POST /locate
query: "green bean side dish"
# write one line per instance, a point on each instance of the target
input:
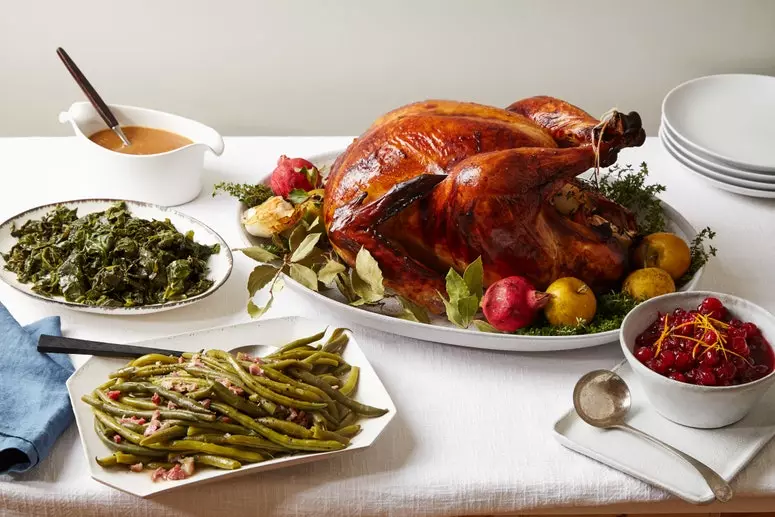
(108, 258)
(212, 408)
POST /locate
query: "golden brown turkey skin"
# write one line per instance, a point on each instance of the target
(434, 185)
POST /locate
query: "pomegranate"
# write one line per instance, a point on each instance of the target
(512, 303)
(290, 174)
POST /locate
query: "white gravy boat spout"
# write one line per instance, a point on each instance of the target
(167, 179)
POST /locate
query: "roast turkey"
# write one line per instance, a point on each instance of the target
(433, 185)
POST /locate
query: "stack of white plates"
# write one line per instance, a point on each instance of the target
(722, 128)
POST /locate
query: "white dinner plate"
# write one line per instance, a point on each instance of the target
(441, 330)
(723, 185)
(712, 172)
(727, 450)
(728, 117)
(718, 166)
(220, 264)
(272, 333)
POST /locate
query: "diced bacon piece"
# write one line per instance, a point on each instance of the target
(132, 420)
(206, 403)
(171, 405)
(114, 394)
(196, 361)
(187, 466)
(159, 473)
(255, 369)
(117, 438)
(137, 467)
(156, 399)
(181, 360)
(167, 384)
(237, 390)
(224, 419)
(154, 424)
(176, 473)
(298, 417)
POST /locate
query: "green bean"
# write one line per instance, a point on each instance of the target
(200, 394)
(349, 431)
(337, 341)
(110, 423)
(254, 442)
(274, 436)
(267, 405)
(268, 393)
(341, 369)
(107, 461)
(281, 377)
(106, 385)
(123, 446)
(109, 401)
(176, 398)
(218, 450)
(298, 343)
(319, 359)
(122, 458)
(149, 359)
(153, 465)
(321, 434)
(188, 379)
(330, 379)
(349, 420)
(138, 403)
(352, 381)
(216, 376)
(284, 426)
(356, 406)
(203, 428)
(140, 429)
(218, 462)
(177, 414)
(143, 371)
(162, 435)
(215, 365)
(294, 389)
(285, 363)
(216, 438)
(230, 398)
(329, 418)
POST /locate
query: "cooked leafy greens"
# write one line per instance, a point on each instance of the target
(108, 258)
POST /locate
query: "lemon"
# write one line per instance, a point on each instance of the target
(666, 251)
(649, 282)
(571, 302)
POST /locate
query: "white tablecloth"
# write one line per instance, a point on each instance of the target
(473, 434)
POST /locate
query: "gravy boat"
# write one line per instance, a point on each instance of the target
(166, 179)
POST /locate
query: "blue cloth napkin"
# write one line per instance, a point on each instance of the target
(34, 406)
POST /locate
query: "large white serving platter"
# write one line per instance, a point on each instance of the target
(727, 450)
(723, 183)
(270, 333)
(220, 264)
(728, 117)
(441, 330)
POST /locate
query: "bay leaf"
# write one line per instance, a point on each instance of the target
(298, 234)
(456, 286)
(258, 253)
(413, 312)
(474, 277)
(298, 196)
(364, 289)
(255, 311)
(368, 270)
(260, 277)
(305, 276)
(329, 271)
(305, 246)
(483, 326)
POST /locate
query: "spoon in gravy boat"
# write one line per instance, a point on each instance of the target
(602, 399)
(93, 96)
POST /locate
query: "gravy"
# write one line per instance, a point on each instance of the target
(144, 140)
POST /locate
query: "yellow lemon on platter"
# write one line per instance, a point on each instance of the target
(649, 282)
(571, 302)
(666, 251)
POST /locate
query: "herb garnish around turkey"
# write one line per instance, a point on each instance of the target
(629, 188)
(109, 258)
(251, 195)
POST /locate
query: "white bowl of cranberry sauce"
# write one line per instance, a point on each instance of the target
(704, 359)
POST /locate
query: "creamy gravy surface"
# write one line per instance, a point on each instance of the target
(144, 140)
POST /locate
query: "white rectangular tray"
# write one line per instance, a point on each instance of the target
(726, 450)
(270, 333)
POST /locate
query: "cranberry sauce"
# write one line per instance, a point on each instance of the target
(705, 346)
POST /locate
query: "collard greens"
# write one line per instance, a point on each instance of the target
(109, 258)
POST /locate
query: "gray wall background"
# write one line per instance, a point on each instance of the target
(314, 67)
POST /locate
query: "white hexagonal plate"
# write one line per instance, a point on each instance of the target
(270, 333)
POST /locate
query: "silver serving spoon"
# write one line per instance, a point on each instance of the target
(602, 399)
